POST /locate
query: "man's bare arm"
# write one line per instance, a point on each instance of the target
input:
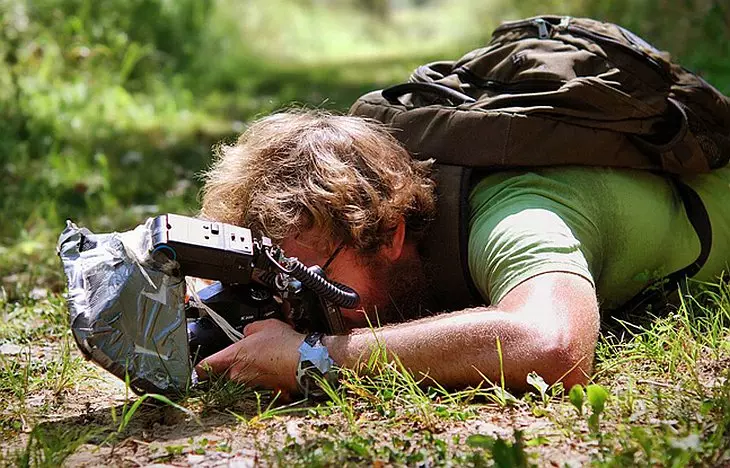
(548, 324)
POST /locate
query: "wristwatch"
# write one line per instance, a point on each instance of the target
(314, 363)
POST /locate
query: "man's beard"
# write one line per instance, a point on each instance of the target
(408, 294)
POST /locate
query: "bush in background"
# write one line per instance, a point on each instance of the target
(110, 108)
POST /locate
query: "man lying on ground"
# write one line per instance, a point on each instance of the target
(544, 247)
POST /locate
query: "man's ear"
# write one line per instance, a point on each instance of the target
(394, 250)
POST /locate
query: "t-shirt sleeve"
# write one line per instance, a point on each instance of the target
(518, 232)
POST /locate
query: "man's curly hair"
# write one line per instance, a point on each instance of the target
(346, 177)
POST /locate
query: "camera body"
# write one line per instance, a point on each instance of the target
(250, 282)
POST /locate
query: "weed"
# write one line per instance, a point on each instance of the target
(46, 378)
(272, 409)
(577, 398)
(504, 453)
(128, 411)
(330, 448)
(49, 446)
(539, 384)
(596, 396)
(388, 388)
(219, 393)
(15, 386)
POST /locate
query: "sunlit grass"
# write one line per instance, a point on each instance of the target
(347, 34)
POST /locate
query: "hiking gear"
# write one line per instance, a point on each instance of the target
(558, 90)
(552, 91)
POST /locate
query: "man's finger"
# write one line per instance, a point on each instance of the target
(202, 371)
(250, 328)
(218, 363)
(258, 325)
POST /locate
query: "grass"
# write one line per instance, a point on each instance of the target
(50, 448)
(652, 403)
(109, 113)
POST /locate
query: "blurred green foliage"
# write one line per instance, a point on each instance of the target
(110, 108)
(85, 88)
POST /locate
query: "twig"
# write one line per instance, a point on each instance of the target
(133, 460)
(139, 442)
(676, 388)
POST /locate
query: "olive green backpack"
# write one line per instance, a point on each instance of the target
(549, 91)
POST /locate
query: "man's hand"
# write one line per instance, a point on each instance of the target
(266, 357)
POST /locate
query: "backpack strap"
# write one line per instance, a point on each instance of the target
(445, 245)
(656, 292)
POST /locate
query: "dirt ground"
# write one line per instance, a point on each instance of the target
(236, 433)
(161, 435)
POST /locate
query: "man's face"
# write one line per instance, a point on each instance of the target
(347, 268)
(389, 291)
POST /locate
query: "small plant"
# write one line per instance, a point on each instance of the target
(596, 396)
(539, 384)
(577, 397)
(272, 409)
(220, 393)
(49, 446)
(504, 453)
(128, 411)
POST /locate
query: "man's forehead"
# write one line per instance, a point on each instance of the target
(310, 242)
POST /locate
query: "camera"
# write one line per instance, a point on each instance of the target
(254, 281)
(135, 312)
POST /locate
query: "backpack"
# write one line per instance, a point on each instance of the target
(549, 91)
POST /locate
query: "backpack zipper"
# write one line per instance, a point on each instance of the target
(542, 28)
(535, 85)
(631, 50)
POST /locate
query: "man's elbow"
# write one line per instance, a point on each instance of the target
(568, 360)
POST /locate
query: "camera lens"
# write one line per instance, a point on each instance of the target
(205, 338)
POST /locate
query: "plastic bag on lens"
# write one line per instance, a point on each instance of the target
(125, 316)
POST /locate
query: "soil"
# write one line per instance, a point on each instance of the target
(161, 435)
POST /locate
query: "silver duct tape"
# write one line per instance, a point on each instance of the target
(125, 316)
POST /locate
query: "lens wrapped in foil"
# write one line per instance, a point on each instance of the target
(125, 315)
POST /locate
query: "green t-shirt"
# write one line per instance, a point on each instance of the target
(619, 229)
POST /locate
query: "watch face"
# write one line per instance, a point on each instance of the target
(314, 338)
